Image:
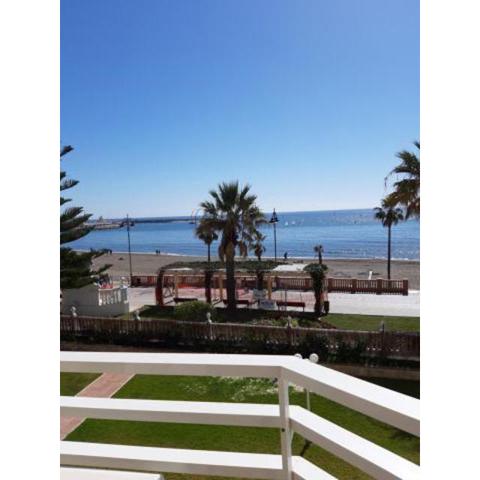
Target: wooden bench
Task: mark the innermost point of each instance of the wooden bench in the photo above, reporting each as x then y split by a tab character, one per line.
185	299
241	301
281	303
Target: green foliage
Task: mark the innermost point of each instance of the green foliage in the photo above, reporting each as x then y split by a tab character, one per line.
314	344
406	190
348	353
193	311
233	214
206	233
318	273
306	319
388	215
75	267
257	245
249	266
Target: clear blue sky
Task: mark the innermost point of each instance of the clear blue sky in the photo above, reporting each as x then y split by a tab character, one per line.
307	100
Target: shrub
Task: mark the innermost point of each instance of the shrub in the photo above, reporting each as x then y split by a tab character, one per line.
347	353
193	311
314	344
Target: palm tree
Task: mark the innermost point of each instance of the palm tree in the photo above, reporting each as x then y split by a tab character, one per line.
407	190
318	249
389	216
319	277
233	213
258	247
205	233
258	250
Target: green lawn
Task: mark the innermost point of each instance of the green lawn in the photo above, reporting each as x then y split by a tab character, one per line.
72	383
372	322
261	440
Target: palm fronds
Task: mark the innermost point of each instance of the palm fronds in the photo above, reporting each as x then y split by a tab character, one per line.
406	191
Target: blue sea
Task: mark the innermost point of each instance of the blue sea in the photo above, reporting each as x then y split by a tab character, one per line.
343	234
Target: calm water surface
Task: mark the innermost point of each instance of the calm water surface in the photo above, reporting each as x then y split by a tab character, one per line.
343	233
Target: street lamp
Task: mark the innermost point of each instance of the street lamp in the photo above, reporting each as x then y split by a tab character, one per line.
274	221
129	251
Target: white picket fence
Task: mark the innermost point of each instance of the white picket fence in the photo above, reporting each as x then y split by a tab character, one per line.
393	408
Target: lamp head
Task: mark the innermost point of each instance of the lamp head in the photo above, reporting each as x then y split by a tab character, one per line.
274	218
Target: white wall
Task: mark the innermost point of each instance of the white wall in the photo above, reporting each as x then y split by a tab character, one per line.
93	301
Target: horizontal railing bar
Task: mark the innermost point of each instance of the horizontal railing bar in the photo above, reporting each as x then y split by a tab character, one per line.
259	366
172	411
363	454
369	457
383	404
305	470
71	473
393	408
194	462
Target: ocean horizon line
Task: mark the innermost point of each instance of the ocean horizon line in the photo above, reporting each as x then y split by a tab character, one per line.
281	212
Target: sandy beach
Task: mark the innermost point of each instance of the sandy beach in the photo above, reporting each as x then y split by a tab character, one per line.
148	264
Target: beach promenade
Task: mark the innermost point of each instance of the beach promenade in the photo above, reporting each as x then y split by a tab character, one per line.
364	304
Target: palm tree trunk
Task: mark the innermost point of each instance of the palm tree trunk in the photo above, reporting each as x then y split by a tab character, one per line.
389	252
230	283
208	285
318	303
208	278
260	276
159	289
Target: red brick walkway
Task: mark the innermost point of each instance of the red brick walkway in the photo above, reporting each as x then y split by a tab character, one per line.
104	387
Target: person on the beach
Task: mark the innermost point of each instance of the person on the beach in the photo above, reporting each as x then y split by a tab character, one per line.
285	256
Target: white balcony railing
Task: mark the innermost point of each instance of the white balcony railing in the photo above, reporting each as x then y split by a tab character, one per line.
111	296
382	404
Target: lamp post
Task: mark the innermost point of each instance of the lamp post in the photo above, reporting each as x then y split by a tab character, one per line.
129	251
274	221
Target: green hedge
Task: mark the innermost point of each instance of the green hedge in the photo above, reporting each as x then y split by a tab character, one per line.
194	311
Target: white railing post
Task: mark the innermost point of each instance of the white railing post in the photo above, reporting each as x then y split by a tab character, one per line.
285	434
124	293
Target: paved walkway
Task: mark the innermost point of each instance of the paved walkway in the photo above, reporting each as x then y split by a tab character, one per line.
364	304
389	305
104	386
